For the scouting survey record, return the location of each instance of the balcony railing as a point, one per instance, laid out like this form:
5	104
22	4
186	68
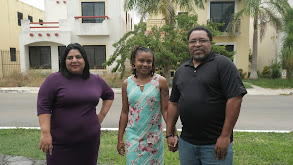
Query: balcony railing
156	22
92	19
42	23
223	28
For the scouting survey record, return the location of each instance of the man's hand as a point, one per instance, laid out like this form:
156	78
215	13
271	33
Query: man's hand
172	143
221	148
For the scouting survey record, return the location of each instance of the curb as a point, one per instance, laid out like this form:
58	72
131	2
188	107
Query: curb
250	91
116	129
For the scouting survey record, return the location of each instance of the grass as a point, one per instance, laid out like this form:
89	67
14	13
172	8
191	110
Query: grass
271	83
35	78
249	148
247	85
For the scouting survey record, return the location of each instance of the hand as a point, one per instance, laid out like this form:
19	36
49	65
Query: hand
172	143
221	147
46	143
121	148
100	118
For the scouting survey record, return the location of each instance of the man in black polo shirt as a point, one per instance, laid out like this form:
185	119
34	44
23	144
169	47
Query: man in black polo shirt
207	93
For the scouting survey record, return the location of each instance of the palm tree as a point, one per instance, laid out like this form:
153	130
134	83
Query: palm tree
287	50
262	12
165	7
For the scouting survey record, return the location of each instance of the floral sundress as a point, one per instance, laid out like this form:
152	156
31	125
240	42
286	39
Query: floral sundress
144	135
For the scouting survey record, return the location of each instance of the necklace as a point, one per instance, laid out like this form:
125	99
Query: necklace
141	85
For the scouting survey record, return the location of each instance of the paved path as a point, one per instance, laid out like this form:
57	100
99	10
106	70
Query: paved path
18	160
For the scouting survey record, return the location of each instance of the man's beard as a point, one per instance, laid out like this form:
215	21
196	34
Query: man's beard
199	58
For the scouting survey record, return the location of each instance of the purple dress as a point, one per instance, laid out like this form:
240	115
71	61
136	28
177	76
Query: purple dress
75	128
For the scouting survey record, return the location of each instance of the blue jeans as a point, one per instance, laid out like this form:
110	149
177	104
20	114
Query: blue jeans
190	154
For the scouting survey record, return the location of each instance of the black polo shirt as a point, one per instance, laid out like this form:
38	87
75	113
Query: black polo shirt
202	93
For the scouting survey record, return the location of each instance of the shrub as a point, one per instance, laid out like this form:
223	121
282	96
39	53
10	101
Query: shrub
241	73
266	72
275	67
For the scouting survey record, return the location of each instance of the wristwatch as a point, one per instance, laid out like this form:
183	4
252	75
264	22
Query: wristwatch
172	136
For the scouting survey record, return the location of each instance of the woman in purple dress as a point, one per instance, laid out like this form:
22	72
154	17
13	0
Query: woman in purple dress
67	100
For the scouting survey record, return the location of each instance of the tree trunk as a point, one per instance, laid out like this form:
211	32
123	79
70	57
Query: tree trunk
253	71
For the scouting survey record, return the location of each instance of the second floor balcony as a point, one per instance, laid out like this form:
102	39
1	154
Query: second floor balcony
80	26
91	25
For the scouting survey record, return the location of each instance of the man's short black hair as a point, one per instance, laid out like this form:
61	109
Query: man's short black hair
200	28
86	69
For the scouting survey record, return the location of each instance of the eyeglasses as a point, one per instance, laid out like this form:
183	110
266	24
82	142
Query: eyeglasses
200	41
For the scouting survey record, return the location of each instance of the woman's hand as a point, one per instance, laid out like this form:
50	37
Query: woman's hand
121	148
100	118
46	143
172	143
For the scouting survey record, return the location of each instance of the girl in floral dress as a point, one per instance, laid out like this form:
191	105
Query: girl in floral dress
144	102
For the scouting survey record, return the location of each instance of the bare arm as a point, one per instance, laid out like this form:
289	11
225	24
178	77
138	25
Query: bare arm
232	113
164	90
104	110
46	138
171	122
123	120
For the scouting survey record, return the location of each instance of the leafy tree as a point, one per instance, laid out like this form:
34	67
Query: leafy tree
262	12
169	45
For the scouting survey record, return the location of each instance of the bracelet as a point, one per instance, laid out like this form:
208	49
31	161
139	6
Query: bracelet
169	136
177	136
121	142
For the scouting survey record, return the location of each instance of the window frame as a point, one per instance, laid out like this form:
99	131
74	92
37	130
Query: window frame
221	28
19	18
93	20
30	18
96	56
13	54
40	64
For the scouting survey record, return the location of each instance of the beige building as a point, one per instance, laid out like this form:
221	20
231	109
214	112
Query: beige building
221	10
11	14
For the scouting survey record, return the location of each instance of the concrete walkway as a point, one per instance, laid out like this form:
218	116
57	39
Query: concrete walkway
19	160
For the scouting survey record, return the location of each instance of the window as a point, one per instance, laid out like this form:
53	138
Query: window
40	57
30	18
221	12
229	48
131	24
12	54
126	17
96	55
61	50
19	18
179	13
93	9
40	20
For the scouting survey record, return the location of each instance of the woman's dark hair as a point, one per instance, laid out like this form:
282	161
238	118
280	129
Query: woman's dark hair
200	28
135	51
86	69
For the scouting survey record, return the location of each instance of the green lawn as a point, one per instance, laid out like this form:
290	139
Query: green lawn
271	83
249	148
